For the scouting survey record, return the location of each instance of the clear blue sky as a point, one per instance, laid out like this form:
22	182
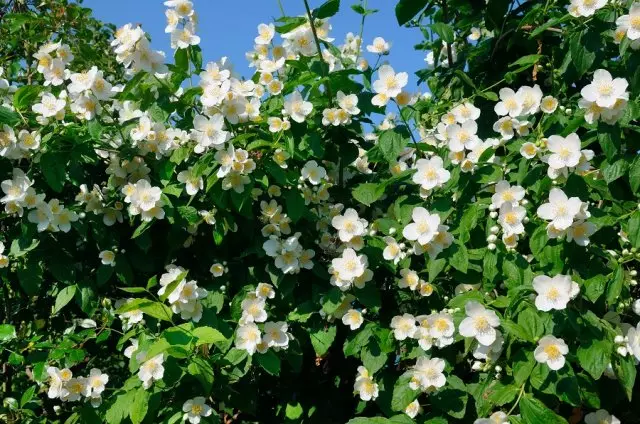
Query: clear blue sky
228	27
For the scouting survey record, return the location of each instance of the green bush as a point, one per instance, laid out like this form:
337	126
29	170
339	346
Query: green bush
316	244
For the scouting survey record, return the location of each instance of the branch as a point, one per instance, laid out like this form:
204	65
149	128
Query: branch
315	37
445	17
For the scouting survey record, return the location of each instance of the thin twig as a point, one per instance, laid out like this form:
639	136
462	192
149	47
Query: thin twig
445	17
315	37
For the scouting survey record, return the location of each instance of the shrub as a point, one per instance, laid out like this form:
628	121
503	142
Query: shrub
179	243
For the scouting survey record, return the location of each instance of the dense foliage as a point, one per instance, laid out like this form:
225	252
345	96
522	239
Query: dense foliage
316	244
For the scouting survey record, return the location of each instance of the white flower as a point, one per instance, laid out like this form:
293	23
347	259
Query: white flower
313	172
349	266
605	91
349	225
151	370
633	341
265	291
192	182
465	112
50	106
96	381
584	8
208	131
509	103
529	150
551	351
560	210
275	334
424	226
631	22
196	408
479	323
217	270
529	98
410	279
108	257
565	151
554	292
130	350
430	173
265	34
353	319
181	38
506	193
413	409
403	326
379	46
474	34
389	83
511	217
506	127
495	418
248	337
348	103
548	104
365	386
393	251
601	416
427	373
253	309
580	231
463	136
296	107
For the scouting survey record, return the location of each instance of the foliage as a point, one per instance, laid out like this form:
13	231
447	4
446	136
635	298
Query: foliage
182	244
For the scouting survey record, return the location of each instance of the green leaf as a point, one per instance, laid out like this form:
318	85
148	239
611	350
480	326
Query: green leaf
201	369
25	96
139	406
523	363
294	411
189	214
7	332
30	277
530	321
634	175
582	47
407	9
615	170
615	285
403	395
296	207
95	129
633	229
534	411
149	307
64	297
527	60
327	9
372	357
27	395
269	361
53	166
444	31
322	339
460	258
625	370
208	335
288	24
452	398
368	193
9	117
391	144
594	356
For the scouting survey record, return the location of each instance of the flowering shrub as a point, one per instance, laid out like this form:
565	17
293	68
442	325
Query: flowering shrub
316	244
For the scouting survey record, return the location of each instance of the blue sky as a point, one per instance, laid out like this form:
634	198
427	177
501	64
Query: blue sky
227	27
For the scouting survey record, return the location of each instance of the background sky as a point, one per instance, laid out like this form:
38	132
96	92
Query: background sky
228	27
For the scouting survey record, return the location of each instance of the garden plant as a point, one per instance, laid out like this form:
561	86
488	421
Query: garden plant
314	242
